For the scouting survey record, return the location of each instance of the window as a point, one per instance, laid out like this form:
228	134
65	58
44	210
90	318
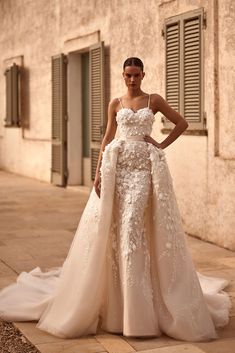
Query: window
12	96
184	67
97	101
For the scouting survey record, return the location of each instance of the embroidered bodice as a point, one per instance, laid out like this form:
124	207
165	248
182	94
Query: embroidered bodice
137	123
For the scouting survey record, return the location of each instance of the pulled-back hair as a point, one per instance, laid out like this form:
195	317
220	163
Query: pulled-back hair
133	61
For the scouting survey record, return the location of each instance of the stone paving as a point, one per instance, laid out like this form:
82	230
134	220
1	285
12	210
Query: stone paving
38	222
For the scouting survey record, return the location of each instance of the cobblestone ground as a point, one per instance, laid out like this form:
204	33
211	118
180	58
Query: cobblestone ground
12	340
37	225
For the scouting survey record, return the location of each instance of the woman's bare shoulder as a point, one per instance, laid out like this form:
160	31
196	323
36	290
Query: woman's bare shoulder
157	101
155	97
113	104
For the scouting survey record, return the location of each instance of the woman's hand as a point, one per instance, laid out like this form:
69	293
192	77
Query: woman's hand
149	139
97	184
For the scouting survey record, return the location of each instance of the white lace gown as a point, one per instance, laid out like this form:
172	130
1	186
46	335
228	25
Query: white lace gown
128	268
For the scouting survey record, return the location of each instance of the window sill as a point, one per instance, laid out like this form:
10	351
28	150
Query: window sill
165	131
15	125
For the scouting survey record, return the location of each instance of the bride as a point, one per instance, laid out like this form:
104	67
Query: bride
128	269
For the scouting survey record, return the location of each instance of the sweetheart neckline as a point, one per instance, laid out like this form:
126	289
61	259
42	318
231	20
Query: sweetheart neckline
135	112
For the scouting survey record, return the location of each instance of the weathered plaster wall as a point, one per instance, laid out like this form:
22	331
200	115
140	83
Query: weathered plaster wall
221	140
202	166
29	28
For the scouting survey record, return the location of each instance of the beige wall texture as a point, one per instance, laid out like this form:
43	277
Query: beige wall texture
202	166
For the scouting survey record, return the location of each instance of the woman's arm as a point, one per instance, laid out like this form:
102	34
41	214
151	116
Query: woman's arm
108	137
159	104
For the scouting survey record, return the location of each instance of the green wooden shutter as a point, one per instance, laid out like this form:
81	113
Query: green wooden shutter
97	102
59	120
15	95
184	58
12	96
173	67
8	118
193	72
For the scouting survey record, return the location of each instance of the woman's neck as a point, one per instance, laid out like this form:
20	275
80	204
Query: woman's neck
134	93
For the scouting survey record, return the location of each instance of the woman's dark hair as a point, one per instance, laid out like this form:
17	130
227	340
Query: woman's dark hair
133	61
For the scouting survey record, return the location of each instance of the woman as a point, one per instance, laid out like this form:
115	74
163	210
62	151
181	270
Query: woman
133	74
128	268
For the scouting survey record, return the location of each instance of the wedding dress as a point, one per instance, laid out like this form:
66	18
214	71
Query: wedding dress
128	269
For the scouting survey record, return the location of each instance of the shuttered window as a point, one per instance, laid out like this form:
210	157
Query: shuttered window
173	65
184	67
12	75
97	102
59	121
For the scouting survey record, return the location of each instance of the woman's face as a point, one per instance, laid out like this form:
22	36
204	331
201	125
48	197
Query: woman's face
133	76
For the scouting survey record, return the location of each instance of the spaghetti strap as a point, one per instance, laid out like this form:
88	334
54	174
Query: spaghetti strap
149	101
120	101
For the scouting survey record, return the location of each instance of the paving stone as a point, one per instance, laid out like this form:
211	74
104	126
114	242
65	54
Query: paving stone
7	280
114	343
218	346
229	330
37	336
5	270
183	348
152	343
228	261
71	347
228	273
10	252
